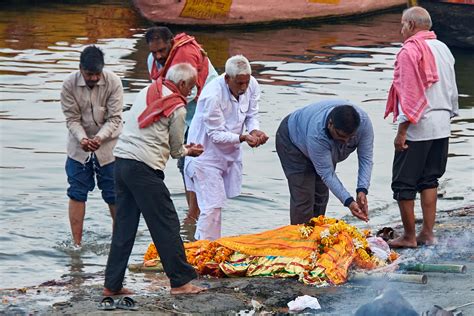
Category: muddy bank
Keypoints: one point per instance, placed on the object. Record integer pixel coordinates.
(81, 294)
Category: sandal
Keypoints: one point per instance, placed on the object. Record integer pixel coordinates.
(107, 304)
(126, 303)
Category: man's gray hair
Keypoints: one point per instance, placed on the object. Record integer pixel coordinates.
(419, 16)
(183, 71)
(237, 65)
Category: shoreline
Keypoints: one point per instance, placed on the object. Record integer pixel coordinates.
(81, 294)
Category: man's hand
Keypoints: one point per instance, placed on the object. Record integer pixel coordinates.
(357, 212)
(401, 138)
(262, 137)
(95, 143)
(400, 142)
(250, 140)
(85, 144)
(363, 204)
(194, 150)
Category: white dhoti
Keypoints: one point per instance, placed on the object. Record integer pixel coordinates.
(213, 182)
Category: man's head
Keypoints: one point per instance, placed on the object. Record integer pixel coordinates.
(91, 65)
(343, 123)
(184, 77)
(237, 74)
(415, 19)
(160, 41)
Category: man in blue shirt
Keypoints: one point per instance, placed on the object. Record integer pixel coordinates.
(310, 142)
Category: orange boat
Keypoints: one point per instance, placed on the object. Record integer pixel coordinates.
(234, 13)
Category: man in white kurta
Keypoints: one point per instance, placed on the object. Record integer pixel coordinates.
(226, 110)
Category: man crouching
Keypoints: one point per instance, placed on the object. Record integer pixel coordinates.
(153, 130)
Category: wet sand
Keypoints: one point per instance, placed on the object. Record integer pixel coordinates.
(453, 229)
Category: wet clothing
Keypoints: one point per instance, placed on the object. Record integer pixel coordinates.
(219, 121)
(80, 177)
(424, 161)
(419, 167)
(92, 112)
(142, 154)
(309, 155)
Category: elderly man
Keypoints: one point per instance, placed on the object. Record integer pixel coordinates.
(165, 51)
(92, 101)
(310, 142)
(423, 99)
(153, 130)
(226, 107)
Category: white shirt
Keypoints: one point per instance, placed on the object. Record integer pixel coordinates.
(220, 119)
(155, 143)
(442, 96)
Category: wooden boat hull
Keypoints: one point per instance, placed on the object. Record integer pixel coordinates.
(453, 21)
(234, 13)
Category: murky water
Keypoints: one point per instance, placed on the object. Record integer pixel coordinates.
(39, 46)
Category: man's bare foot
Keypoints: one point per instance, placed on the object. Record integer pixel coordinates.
(122, 291)
(426, 239)
(188, 288)
(402, 242)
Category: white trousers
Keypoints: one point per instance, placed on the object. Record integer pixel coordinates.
(209, 224)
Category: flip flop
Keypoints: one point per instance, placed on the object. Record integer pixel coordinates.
(126, 303)
(107, 304)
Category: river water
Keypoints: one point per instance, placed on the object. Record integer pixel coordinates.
(40, 46)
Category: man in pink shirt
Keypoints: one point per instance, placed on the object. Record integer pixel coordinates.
(423, 99)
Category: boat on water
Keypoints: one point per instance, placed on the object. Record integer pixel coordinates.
(453, 20)
(235, 13)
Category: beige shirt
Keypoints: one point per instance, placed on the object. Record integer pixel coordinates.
(153, 144)
(92, 112)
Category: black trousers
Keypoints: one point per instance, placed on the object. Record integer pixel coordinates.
(309, 195)
(418, 167)
(140, 189)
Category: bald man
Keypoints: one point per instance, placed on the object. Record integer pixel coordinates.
(423, 99)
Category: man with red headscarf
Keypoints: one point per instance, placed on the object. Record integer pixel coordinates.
(167, 50)
(423, 99)
(153, 131)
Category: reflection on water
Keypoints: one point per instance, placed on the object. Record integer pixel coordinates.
(40, 46)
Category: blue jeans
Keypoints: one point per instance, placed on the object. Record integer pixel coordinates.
(81, 179)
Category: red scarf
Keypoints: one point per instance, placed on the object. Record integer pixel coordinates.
(185, 49)
(158, 106)
(415, 71)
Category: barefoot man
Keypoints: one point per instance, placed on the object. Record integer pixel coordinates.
(423, 99)
(153, 130)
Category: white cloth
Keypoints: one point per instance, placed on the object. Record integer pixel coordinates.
(442, 96)
(153, 144)
(218, 122)
(303, 302)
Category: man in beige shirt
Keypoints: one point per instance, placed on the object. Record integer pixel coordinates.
(92, 101)
(153, 131)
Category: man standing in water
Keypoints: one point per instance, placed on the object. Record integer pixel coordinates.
(310, 142)
(166, 51)
(227, 106)
(92, 101)
(153, 130)
(423, 99)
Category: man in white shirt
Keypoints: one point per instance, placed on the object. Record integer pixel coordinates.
(423, 98)
(227, 107)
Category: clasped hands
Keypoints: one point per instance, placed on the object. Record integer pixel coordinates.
(194, 150)
(91, 144)
(254, 139)
(360, 207)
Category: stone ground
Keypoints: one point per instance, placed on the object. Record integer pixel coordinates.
(239, 295)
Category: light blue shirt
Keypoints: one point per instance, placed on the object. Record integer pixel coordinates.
(308, 131)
